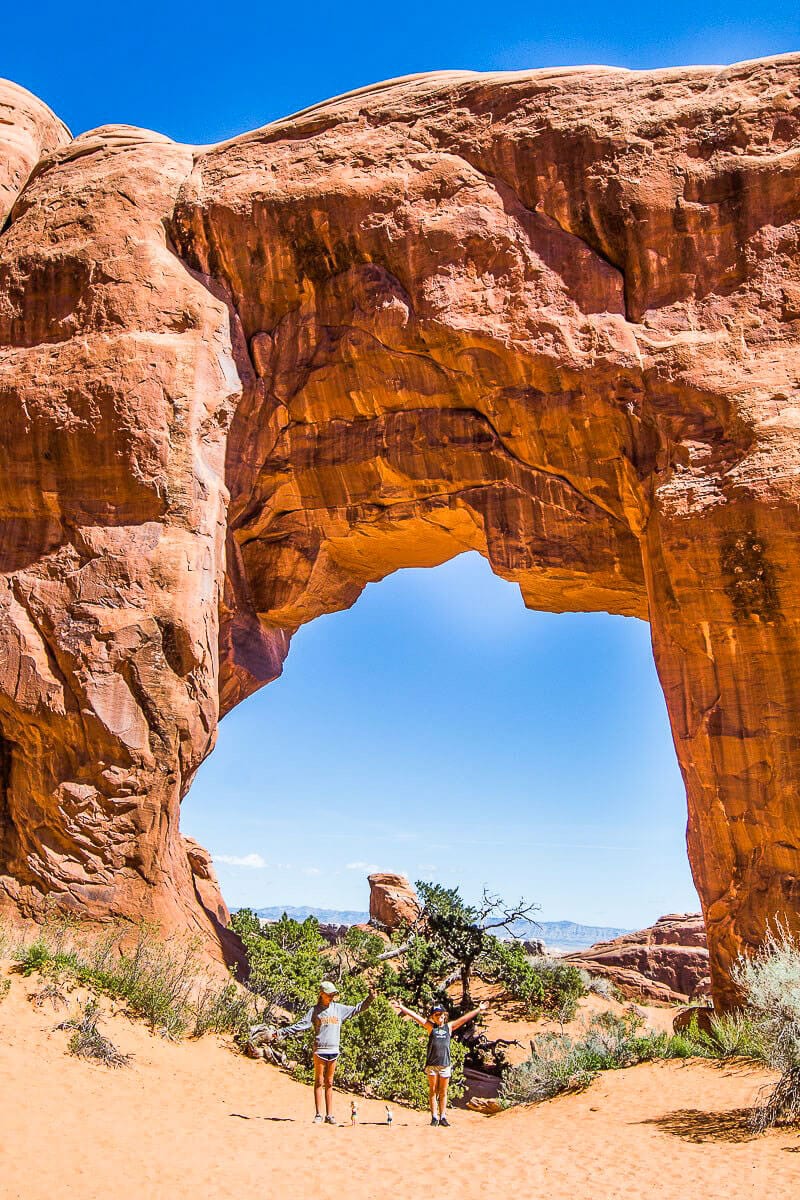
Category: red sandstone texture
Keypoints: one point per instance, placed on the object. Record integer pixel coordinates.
(552, 316)
(392, 900)
(667, 961)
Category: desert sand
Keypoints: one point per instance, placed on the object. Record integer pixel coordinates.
(194, 1119)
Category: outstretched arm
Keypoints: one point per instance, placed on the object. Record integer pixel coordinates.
(298, 1027)
(470, 1016)
(409, 1012)
(352, 1010)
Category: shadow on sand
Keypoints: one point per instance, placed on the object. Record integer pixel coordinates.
(245, 1117)
(695, 1125)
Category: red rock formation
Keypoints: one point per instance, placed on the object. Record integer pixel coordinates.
(667, 961)
(551, 316)
(392, 900)
(28, 130)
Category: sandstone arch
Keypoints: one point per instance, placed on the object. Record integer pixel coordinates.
(553, 316)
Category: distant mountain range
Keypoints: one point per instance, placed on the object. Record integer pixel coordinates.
(558, 935)
(326, 916)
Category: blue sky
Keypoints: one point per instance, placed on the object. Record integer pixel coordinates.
(441, 729)
(205, 71)
(437, 727)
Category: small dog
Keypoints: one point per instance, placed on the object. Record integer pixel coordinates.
(389, 1116)
(353, 1113)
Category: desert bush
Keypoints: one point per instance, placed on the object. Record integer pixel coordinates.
(420, 978)
(559, 1063)
(162, 981)
(52, 987)
(223, 1010)
(600, 985)
(735, 1035)
(562, 984)
(541, 983)
(770, 985)
(555, 1066)
(41, 956)
(5, 988)
(88, 1042)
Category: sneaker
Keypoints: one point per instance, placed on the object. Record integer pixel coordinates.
(318, 1119)
(444, 1121)
(434, 1120)
(329, 1120)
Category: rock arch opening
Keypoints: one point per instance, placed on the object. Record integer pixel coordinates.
(440, 727)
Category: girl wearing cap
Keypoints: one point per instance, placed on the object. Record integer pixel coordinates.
(437, 1060)
(326, 1018)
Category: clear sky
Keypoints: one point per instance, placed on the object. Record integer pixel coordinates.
(437, 727)
(441, 729)
(208, 70)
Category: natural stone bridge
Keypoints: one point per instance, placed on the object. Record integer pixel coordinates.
(553, 316)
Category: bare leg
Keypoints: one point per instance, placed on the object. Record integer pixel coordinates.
(319, 1083)
(441, 1095)
(330, 1071)
(432, 1095)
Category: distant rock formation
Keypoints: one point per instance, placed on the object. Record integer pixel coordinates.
(667, 961)
(392, 900)
(552, 316)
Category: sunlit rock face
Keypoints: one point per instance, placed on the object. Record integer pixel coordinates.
(393, 903)
(552, 316)
(667, 961)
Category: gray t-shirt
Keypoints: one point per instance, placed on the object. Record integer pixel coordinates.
(326, 1021)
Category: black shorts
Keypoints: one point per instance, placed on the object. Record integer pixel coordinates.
(325, 1056)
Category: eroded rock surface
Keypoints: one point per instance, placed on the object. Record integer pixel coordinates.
(667, 961)
(552, 316)
(392, 900)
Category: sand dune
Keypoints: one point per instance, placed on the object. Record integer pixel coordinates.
(195, 1120)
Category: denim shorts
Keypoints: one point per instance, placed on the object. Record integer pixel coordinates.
(439, 1072)
(325, 1056)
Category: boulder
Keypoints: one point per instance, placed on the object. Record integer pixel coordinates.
(392, 900)
(701, 1014)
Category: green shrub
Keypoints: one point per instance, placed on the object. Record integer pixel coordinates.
(157, 980)
(562, 984)
(508, 964)
(5, 988)
(770, 984)
(541, 983)
(285, 959)
(40, 955)
(419, 979)
(223, 1010)
(735, 1035)
(559, 1063)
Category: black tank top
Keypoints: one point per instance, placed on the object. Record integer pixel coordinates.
(438, 1046)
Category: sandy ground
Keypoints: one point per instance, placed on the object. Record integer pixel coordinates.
(195, 1120)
